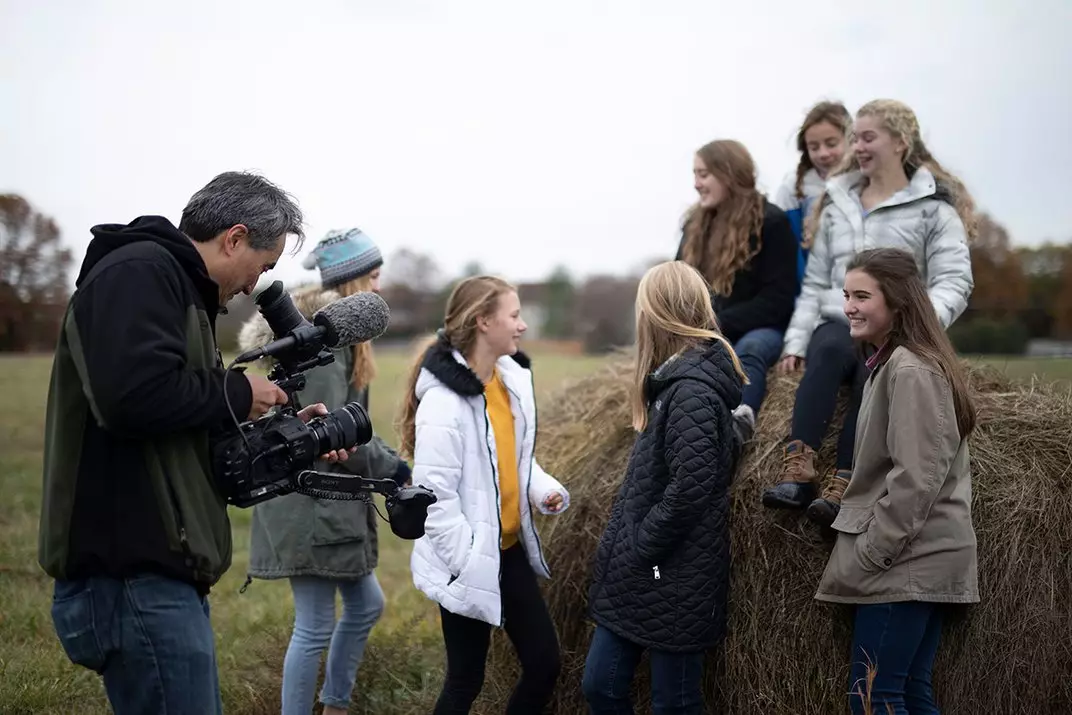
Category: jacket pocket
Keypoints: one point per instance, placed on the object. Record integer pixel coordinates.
(339, 522)
(853, 519)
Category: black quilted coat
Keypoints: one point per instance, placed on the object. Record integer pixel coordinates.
(661, 574)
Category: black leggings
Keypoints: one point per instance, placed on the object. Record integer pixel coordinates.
(530, 629)
(832, 361)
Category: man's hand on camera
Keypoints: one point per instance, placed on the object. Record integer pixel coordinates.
(308, 413)
(266, 395)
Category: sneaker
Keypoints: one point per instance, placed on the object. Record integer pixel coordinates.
(825, 509)
(798, 486)
(744, 423)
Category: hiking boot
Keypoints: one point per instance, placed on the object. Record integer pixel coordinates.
(799, 483)
(825, 509)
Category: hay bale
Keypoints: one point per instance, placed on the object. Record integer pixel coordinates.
(787, 653)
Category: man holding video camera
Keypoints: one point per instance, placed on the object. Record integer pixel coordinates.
(133, 528)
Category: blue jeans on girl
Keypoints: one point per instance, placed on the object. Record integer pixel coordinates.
(608, 675)
(900, 640)
(757, 350)
(315, 627)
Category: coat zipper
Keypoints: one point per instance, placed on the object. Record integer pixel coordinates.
(657, 574)
(498, 497)
(532, 459)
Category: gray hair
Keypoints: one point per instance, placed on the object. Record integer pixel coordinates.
(238, 197)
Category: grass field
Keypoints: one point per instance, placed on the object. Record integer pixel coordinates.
(403, 664)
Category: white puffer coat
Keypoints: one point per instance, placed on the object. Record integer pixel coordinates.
(457, 562)
(916, 219)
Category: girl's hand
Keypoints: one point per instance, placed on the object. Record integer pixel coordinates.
(790, 363)
(553, 502)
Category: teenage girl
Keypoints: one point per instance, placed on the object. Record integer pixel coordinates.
(663, 564)
(469, 420)
(905, 543)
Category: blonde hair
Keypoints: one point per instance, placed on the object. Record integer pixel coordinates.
(473, 298)
(900, 121)
(364, 363)
(673, 314)
(718, 242)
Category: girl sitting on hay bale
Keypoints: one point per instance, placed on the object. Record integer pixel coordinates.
(891, 193)
(744, 247)
(661, 571)
(822, 141)
(469, 420)
(906, 543)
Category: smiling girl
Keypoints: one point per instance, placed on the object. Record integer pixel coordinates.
(744, 248)
(891, 193)
(905, 542)
(822, 142)
(469, 420)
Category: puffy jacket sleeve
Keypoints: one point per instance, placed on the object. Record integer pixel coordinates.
(699, 462)
(544, 485)
(437, 464)
(923, 440)
(949, 271)
(817, 281)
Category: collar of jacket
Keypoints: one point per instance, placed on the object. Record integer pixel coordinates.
(450, 367)
(922, 186)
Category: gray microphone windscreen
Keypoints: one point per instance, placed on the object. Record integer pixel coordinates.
(355, 319)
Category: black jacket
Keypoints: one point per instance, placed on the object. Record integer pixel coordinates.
(137, 391)
(764, 292)
(662, 568)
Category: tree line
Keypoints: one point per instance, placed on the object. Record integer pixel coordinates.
(1020, 294)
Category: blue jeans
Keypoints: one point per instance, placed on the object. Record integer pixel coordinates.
(758, 350)
(900, 640)
(608, 675)
(315, 628)
(148, 636)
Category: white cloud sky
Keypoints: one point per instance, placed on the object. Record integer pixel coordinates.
(518, 136)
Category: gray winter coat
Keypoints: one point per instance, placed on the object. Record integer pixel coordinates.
(296, 535)
(916, 219)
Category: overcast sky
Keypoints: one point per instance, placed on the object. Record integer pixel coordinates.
(521, 136)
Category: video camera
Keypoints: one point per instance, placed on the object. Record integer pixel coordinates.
(274, 455)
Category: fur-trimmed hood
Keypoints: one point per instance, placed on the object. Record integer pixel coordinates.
(255, 331)
(448, 367)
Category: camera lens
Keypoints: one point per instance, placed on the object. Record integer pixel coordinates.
(349, 426)
(278, 310)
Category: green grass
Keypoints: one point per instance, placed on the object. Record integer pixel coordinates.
(402, 671)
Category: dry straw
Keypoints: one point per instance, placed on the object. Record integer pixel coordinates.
(787, 653)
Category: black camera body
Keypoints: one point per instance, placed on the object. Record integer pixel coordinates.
(274, 455)
(264, 459)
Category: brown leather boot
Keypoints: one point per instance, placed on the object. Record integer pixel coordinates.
(799, 483)
(825, 509)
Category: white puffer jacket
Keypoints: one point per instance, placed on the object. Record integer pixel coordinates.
(457, 562)
(915, 219)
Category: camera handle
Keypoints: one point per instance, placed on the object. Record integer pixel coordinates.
(334, 486)
(291, 378)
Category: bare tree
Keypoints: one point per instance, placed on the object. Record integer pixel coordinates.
(34, 266)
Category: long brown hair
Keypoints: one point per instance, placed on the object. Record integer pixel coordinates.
(718, 241)
(473, 298)
(915, 323)
(673, 314)
(900, 121)
(833, 113)
(364, 362)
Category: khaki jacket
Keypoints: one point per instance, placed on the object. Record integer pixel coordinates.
(905, 528)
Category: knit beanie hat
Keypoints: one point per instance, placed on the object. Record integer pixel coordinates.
(342, 256)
